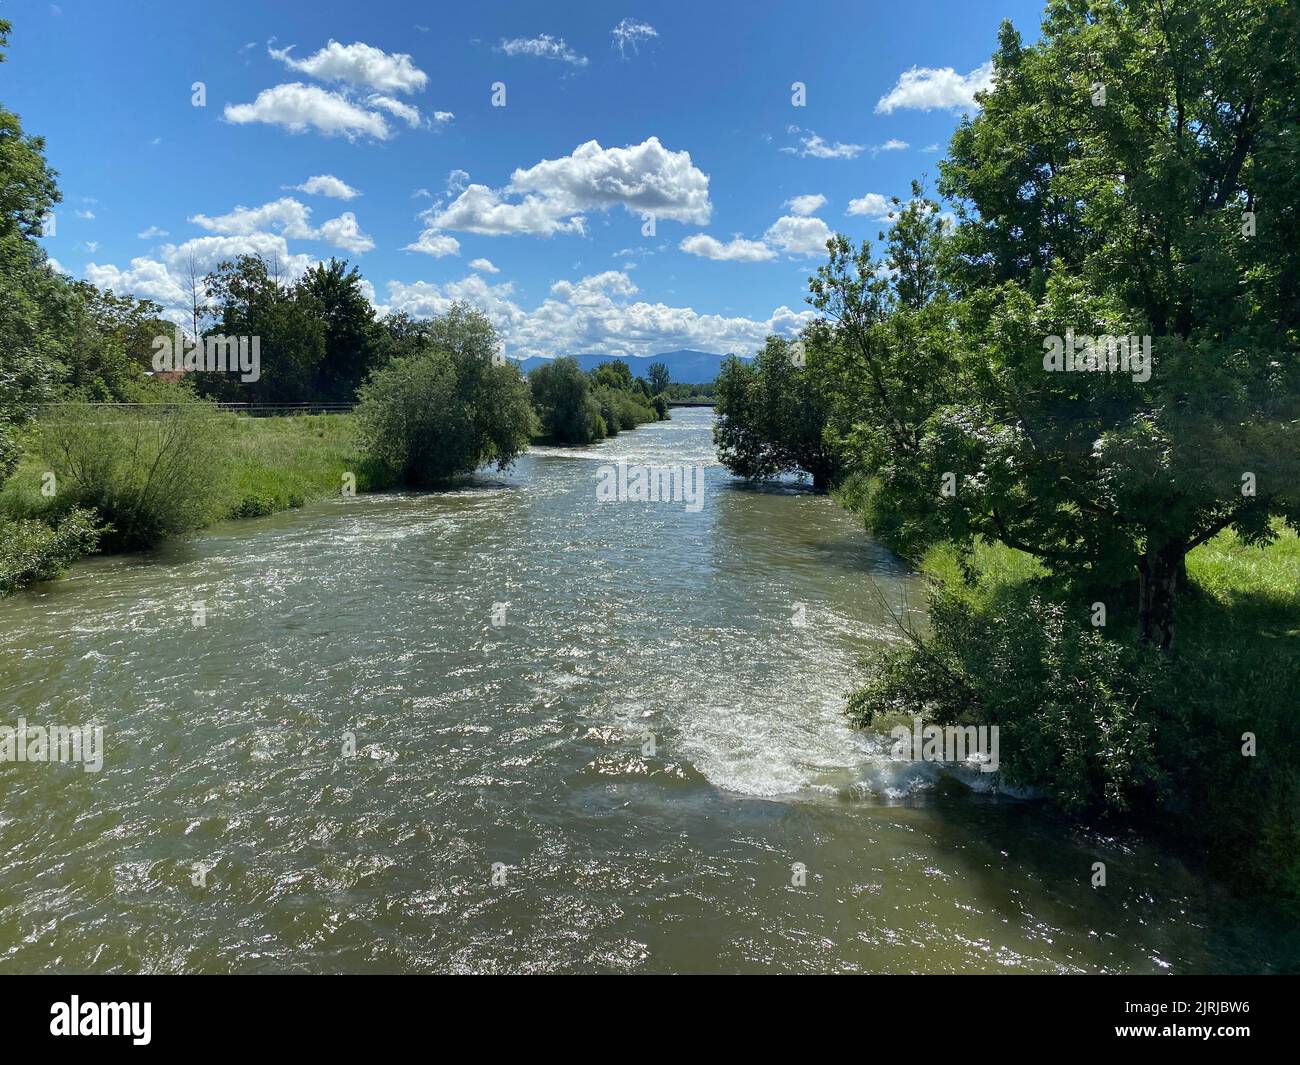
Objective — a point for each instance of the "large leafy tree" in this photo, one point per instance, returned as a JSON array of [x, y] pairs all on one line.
[[352, 337], [773, 413], [1133, 173], [28, 346], [450, 408], [659, 377], [248, 300]]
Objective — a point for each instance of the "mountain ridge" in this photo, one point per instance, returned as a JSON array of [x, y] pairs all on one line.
[[685, 365]]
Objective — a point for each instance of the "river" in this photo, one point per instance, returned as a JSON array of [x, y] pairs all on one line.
[[643, 767]]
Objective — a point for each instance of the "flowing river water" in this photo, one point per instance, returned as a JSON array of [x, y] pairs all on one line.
[[505, 810]]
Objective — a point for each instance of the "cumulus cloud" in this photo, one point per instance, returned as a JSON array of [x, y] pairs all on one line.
[[554, 195], [599, 312], [803, 205], [543, 46], [286, 215], [631, 32], [358, 64], [798, 235], [736, 251], [298, 108], [289, 218], [873, 205], [931, 88], [484, 265], [151, 233], [435, 244], [343, 232], [327, 185]]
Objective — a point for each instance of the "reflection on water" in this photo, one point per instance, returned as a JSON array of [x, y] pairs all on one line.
[[647, 745]]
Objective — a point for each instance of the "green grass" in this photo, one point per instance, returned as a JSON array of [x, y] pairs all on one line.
[[285, 462], [275, 463]]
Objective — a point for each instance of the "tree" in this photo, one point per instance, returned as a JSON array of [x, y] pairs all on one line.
[[248, 301], [1130, 175], [351, 336], [449, 409], [659, 377], [772, 416], [613, 373], [565, 407]]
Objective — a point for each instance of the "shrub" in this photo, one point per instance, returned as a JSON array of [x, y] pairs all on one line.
[[151, 471], [33, 551], [439, 414]]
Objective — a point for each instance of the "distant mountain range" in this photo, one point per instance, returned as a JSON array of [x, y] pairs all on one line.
[[684, 366]]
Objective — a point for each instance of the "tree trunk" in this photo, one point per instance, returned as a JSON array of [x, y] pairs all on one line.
[[1159, 569], [821, 481]]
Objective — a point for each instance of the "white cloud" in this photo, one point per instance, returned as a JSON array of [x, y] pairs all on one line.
[[84, 215], [408, 114], [443, 117], [554, 195], [343, 232], [596, 313], [291, 219], [797, 235], [484, 265], [358, 64], [891, 145], [809, 204], [327, 185], [165, 279], [812, 145], [151, 233], [285, 215], [543, 46], [928, 88], [209, 251], [736, 251], [631, 32], [435, 244], [873, 205], [298, 107]]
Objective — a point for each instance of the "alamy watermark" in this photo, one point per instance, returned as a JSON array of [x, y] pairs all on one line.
[[213, 354], [949, 743], [55, 743], [1100, 354], [624, 483]]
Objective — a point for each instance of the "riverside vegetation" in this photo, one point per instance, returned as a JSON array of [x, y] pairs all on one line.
[[1116, 576]]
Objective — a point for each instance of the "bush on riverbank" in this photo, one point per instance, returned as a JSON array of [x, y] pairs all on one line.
[[1106, 727], [149, 472], [449, 409], [31, 550]]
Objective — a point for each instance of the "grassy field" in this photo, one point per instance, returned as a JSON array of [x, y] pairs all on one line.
[[275, 464]]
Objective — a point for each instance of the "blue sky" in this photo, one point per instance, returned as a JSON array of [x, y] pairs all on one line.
[[680, 114]]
